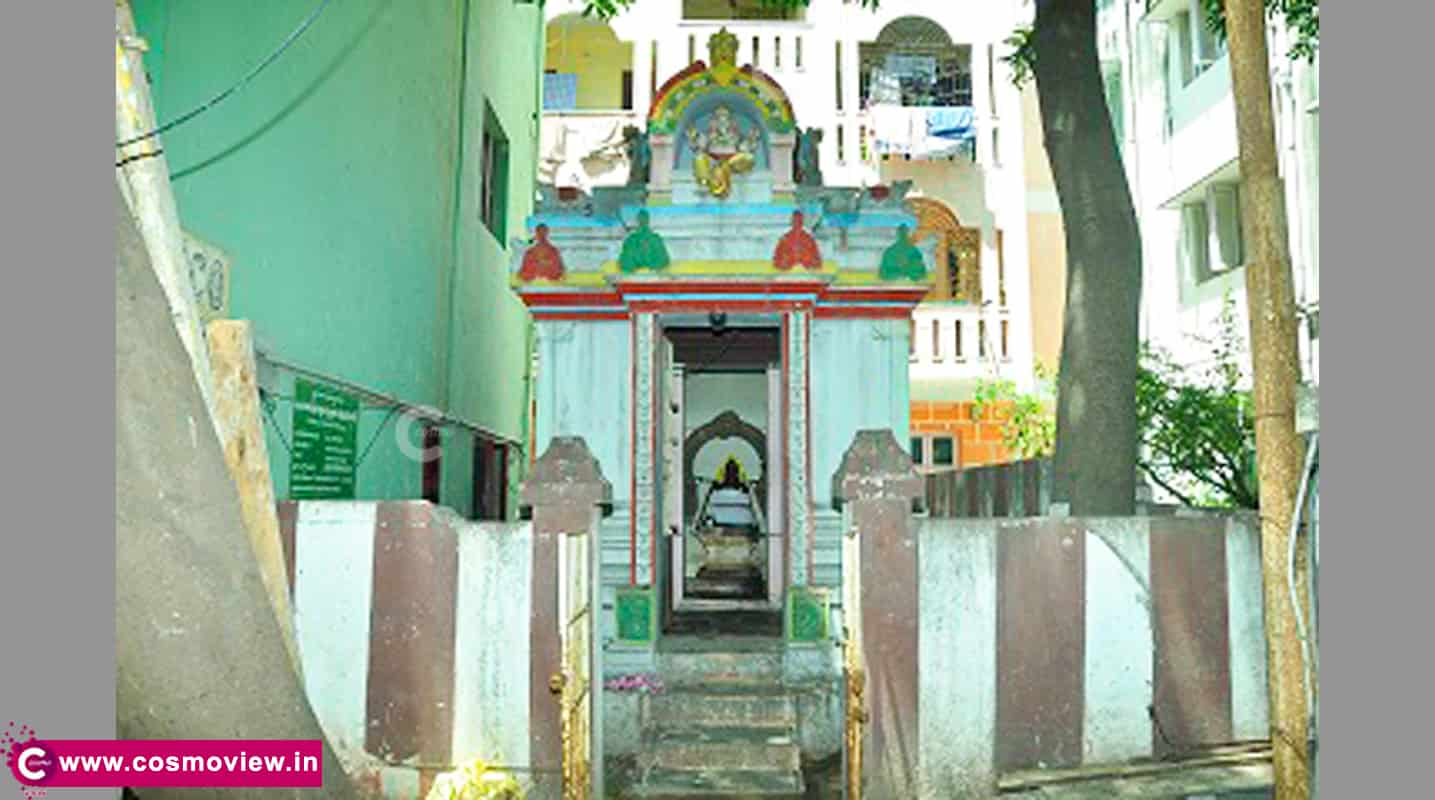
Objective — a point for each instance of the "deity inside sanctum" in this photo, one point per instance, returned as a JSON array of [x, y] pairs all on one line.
[[721, 151]]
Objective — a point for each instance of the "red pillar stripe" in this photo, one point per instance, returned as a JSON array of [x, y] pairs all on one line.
[[1041, 643], [1192, 674], [633, 452], [545, 644], [411, 635], [811, 532]]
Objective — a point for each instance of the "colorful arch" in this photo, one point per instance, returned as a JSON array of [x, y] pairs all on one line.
[[679, 91]]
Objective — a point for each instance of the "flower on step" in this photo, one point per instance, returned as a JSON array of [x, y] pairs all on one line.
[[645, 683], [475, 780]]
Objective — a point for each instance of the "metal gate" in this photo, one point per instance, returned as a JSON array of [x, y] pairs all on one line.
[[575, 609]]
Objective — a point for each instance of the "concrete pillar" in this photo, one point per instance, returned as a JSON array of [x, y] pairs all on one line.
[[199, 651], [877, 484], [565, 495]]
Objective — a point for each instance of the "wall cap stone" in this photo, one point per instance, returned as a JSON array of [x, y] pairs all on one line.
[[566, 474], [876, 467]]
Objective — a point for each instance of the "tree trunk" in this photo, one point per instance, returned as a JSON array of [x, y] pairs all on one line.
[[1276, 367], [1096, 436]]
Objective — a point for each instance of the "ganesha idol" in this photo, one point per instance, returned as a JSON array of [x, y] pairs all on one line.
[[721, 152]]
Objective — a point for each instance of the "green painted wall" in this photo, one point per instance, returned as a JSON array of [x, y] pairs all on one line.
[[343, 181]]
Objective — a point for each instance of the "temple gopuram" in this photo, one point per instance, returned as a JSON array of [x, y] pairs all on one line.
[[717, 331]]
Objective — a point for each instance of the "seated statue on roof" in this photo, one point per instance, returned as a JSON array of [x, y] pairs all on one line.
[[721, 151]]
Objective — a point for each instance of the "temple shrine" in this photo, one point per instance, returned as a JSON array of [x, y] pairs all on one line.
[[717, 330]]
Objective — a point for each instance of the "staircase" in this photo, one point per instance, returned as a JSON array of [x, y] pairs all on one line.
[[724, 728]]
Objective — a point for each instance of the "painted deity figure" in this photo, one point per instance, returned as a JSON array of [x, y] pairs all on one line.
[[542, 261], [902, 260], [643, 248], [797, 248], [721, 151]]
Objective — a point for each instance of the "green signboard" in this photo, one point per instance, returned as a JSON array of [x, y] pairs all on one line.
[[806, 614], [325, 442], [637, 616]]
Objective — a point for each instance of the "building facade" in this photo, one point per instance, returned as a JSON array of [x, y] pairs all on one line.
[[363, 190], [1169, 88], [911, 97]]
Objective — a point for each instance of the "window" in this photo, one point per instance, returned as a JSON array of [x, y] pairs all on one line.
[[936, 340], [692, 48], [981, 338], [741, 9], [1205, 45], [991, 80], [627, 90], [1001, 271], [933, 453], [493, 200], [490, 480], [433, 463], [960, 252], [914, 62], [943, 451], [1178, 48], [957, 341], [841, 148], [1195, 240], [1191, 46], [954, 269], [1214, 217], [653, 68], [797, 53], [777, 52], [838, 63], [1006, 350], [1226, 203], [912, 339]]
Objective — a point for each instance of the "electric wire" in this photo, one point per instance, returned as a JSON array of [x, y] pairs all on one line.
[[191, 114]]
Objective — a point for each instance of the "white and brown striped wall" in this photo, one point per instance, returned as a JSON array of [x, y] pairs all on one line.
[[1057, 642], [413, 627]]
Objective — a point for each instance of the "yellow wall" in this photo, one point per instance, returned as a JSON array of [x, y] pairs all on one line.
[[1038, 169], [591, 50], [1046, 247], [1046, 239]]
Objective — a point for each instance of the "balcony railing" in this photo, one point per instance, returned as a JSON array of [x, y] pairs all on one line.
[[960, 341]]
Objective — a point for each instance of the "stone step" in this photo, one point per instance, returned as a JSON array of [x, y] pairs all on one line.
[[674, 784], [720, 669], [721, 750], [691, 708]]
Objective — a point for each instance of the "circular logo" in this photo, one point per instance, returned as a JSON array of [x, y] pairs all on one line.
[[34, 763]]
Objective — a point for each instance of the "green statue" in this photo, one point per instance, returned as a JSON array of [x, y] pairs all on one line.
[[902, 261], [643, 249]]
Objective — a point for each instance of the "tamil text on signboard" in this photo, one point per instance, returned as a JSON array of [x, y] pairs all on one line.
[[326, 429]]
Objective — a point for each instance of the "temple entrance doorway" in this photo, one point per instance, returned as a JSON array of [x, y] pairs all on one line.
[[721, 491]]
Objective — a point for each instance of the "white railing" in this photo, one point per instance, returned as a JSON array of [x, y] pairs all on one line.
[[956, 341]]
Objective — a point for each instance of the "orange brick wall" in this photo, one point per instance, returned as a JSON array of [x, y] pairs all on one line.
[[979, 438]]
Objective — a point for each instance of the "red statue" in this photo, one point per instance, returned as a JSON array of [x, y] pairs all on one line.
[[542, 260], [797, 248]]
